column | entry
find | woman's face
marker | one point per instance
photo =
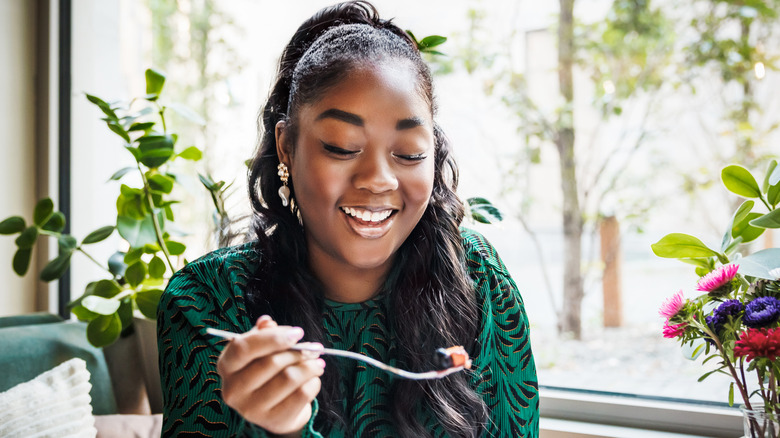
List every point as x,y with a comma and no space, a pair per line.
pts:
362,166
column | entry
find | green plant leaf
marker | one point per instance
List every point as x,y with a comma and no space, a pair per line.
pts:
117,129
483,211
136,153
55,223
175,248
155,150
106,288
160,183
731,394
133,255
769,220
141,126
147,302
105,107
82,313
135,273
43,210
67,243
154,83
116,264
678,245
137,232
104,330
773,195
27,239
740,181
131,202
760,263
21,261
12,225
774,177
56,268
120,173
125,312
100,305
746,230
98,235
207,182
191,153
156,267
432,41
769,175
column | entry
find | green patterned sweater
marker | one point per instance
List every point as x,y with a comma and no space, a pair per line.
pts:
209,292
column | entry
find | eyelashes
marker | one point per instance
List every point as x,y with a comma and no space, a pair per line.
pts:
347,153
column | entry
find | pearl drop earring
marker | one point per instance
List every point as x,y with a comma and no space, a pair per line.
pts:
284,191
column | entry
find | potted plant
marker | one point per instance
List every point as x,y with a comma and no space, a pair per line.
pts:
125,300
735,318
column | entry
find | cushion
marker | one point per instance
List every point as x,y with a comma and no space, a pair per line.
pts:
54,404
128,426
29,350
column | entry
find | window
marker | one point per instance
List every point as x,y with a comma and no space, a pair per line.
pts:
643,157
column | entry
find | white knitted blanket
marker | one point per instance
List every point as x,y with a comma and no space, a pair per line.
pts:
54,404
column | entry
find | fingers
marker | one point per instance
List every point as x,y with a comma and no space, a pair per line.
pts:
293,385
261,371
264,339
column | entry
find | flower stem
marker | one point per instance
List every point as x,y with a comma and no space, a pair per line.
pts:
719,346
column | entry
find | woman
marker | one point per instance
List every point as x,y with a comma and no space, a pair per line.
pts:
357,247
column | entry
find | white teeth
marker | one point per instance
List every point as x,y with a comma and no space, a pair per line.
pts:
366,215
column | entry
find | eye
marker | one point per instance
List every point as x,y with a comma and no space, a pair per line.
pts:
340,152
412,158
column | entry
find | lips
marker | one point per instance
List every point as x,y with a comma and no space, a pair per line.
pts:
369,223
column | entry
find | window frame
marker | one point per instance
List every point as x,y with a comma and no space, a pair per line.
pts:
640,412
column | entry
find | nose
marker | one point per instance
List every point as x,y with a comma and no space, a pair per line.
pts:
375,173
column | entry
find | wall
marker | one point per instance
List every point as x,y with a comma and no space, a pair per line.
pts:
18,146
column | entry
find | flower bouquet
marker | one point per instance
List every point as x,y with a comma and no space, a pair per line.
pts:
735,321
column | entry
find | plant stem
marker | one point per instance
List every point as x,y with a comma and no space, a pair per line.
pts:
157,229
78,248
161,111
719,346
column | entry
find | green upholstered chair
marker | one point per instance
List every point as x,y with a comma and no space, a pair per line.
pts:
34,343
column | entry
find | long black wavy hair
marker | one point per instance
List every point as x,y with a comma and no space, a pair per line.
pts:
433,301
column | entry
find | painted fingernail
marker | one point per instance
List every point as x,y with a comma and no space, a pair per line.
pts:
295,334
321,362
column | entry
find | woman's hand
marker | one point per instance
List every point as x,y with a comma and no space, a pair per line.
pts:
266,382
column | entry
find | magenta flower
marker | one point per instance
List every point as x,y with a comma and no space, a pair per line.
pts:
672,305
717,279
674,330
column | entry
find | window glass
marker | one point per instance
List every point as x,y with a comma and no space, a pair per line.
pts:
650,159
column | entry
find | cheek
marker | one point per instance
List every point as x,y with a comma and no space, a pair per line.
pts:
420,186
318,185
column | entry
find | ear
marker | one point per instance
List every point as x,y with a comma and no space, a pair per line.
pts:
282,146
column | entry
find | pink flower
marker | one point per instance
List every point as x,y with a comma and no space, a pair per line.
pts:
718,278
672,305
675,330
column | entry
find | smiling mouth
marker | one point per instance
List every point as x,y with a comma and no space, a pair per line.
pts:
368,217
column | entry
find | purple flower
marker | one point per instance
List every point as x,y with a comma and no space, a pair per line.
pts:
762,312
720,316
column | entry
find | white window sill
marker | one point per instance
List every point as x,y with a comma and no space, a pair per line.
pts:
575,414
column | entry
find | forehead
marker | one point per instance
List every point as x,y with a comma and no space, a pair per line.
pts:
391,85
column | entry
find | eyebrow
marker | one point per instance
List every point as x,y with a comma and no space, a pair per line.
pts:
354,119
